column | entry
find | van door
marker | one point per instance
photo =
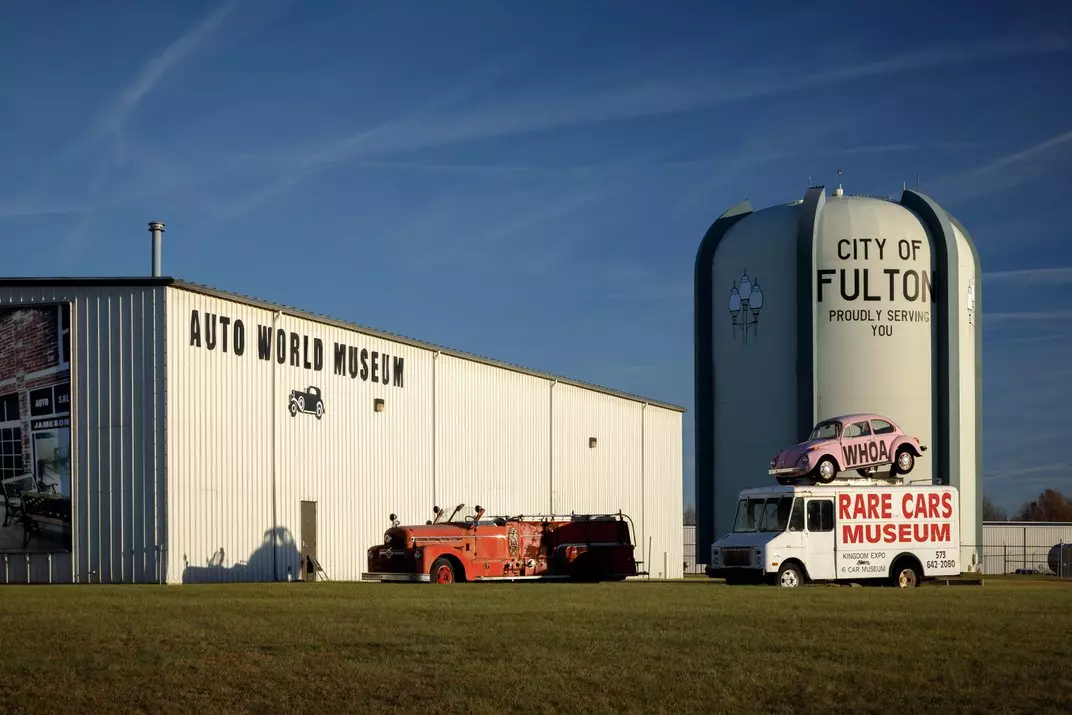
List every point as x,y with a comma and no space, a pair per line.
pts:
819,538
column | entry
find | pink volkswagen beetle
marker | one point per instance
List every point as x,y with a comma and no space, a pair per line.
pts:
864,442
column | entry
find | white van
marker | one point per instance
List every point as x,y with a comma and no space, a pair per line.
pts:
790,535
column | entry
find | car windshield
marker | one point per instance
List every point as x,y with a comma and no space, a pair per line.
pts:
768,515
824,430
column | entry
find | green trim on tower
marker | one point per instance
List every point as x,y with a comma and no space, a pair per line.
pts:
947,433
807,230
704,371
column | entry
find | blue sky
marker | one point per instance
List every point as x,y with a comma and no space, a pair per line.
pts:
531,181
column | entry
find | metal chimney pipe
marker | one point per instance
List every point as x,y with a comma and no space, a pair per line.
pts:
157,229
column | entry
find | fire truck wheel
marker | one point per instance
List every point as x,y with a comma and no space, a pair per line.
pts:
442,571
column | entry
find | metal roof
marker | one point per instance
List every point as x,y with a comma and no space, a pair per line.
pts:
149,281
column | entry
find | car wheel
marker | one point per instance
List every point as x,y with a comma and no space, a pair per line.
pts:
442,571
905,461
301,403
319,410
825,470
789,576
293,409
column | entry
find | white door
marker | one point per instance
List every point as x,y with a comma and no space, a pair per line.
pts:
819,538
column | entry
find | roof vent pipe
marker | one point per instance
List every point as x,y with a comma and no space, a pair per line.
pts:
157,229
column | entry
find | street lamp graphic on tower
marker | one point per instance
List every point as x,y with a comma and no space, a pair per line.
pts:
746,300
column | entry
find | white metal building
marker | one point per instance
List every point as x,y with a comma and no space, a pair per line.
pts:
162,431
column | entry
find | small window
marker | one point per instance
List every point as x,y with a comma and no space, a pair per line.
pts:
11,453
857,429
796,519
882,426
9,408
821,515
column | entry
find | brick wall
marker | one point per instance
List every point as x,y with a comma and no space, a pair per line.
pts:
29,340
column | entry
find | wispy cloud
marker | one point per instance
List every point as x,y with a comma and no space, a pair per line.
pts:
365,140
654,97
1008,171
1057,275
105,143
1027,316
111,121
1057,469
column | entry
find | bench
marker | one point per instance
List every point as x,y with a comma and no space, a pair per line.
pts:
38,509
13,488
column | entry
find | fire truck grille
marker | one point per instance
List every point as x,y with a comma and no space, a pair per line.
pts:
736,557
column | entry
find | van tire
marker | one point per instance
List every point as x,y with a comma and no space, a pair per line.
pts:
790,576
905,574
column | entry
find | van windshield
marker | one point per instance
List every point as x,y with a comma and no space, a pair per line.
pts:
768,515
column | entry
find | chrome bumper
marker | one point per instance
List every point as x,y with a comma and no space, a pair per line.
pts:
405,577
787,470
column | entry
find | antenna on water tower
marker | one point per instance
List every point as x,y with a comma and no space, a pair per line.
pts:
839,191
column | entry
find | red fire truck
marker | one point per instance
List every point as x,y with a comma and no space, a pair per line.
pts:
449,548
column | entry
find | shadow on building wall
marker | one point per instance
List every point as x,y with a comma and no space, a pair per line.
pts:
278,546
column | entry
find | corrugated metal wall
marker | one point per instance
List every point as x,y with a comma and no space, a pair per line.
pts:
117,455
663,508
492,438
450,431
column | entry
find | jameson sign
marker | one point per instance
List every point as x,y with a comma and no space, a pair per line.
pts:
214,331
859,289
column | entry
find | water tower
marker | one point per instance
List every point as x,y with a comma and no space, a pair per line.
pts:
829,305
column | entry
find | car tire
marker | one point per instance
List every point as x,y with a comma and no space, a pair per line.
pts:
790,576
904,461
301,403
319,410
293,408
827,465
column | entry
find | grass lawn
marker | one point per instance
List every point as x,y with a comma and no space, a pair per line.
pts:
671,647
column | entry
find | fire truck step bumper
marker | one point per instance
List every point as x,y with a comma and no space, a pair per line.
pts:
397,577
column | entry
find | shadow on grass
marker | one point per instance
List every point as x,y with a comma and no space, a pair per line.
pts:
276,559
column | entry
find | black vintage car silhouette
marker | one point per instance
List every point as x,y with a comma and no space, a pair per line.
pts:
308,401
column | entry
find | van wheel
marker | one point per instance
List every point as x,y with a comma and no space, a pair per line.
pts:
790,576
905,575
905,461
